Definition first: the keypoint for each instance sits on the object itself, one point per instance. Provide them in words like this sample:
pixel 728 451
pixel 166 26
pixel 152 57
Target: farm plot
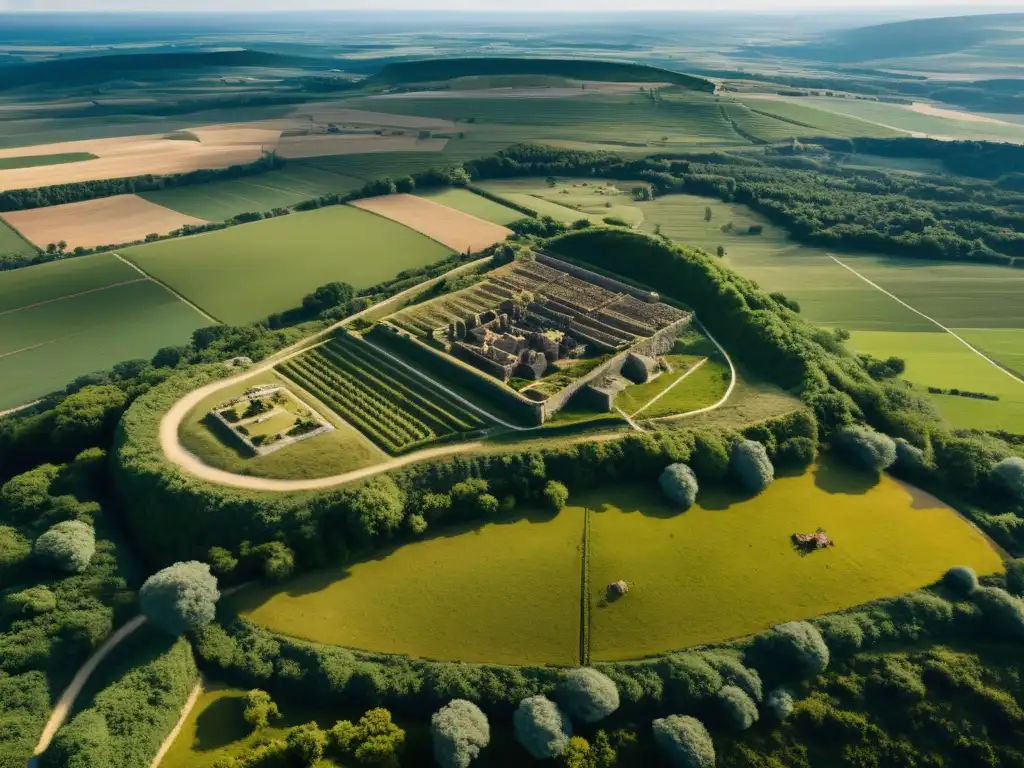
pixel 34 161
pixel 1005 346
pixel 13 244
pixel 459 231
pixel 570 199
pixel 341 144
pixel 396 410
pixel 106 221
pixel 728 565
pixel 245 273
pixel 507 592
pixel 816 121
pixel 45 345
pixel 473 204
pixel 222 200
pixel 369 167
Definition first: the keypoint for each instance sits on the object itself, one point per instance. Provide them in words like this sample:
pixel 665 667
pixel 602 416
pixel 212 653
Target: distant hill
pixel 95 69
pixel 920 37
pixel 438 70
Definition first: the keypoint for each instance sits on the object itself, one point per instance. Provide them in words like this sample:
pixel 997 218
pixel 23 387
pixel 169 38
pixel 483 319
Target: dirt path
pixel 930 319
pixel 62 708
pixel 725 397
pixel 9 411
pixel 186 710
pixel 670 387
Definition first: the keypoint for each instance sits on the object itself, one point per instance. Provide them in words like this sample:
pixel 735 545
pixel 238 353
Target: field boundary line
pixel 728 392
pixel 186 710
pixel 952 333
pixel 629 420
pixel 17 408
pixel 585 599
pixel 166 287
pixel 670 387
pixel 73 295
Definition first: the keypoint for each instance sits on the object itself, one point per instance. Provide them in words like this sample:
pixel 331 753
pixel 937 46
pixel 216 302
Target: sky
pixel 519 6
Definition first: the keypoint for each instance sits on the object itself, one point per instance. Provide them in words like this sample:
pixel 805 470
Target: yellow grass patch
pixel 106 221
pixel 459 231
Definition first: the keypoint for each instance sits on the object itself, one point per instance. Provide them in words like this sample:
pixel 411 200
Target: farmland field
pixel 245 273
pixel 1005 346
pixel 395 409
pixel 34 161
pixel 368 167
pixel 45 346
pixel 221 200
pixel 341 450
pixel 474 205
pixel 11 243
pixel 727 568
pixel 459 231
pixel 817 121
pixel 506 592
pixel 570 199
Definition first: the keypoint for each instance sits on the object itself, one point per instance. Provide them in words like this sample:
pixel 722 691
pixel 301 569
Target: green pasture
pixel 215 729
pixel 12 243
pixel 53 280
pixel 245 273
pixel 815 122
pixel 1005 346
pixel 341 450
pixel 44 347
pixel 474 205
pixel 35 161
pixel 570 199
pixel 222 200
pixel 727 568
pixel 939 360
pixel 700 388
pixel 372 165
pixel 506 592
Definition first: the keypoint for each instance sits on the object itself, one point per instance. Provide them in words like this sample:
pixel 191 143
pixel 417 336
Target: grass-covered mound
pixel 432 70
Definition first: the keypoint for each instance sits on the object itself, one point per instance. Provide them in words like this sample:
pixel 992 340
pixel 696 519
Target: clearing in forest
pixel 92 223
pixel 459 231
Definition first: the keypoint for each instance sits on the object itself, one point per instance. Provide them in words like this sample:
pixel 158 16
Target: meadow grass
pixel 45 282
pixel 45 347
pixel 341 450
pixel 12 243
pixel 727 568
pixel 939 360
pixel 222 200
pixel 505 592
pixel 35 161
pixel 474 205
pixel 245 273
pixel 1005 346
pixel 700 389
pixel 810 121
pixel 570 199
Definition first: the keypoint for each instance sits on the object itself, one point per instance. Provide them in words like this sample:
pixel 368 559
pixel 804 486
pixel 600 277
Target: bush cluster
pixel 181 597
pixel 541 728
pixel 750 465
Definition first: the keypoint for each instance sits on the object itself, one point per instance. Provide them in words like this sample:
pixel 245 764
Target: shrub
pixel 684 741
pixel 68 546
pixel 689 680
pixel 587 695
pixel 259 709
pixel 751 466
pixel 734 673
pixel 222 562
pixel 305 744
pixel 1009 475
pixel 961 580
pixel 798 646
pixel 487 504
pixel 459 730
pixel 1003 611
pixel 181 597
pixel 29 602
pixel 541 728
pixel 375 510
pixel 866 448
pixel 277 561
pixel 910 460
pixel 796 453
pixel 710 456
pixel 14 547
pixel 1015 576
pixel 464 494
pixel 779 704
pixel 738 709
pixel 679 484
pixel 556 495
pixel 374 739
pixel 842 634
pixel 417 524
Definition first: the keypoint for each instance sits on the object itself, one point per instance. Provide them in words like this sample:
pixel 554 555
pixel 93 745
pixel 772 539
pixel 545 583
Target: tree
pixel 720 251
pixel 708 214
pixel 738 709
pixel 14 548
pixel 276 559
pixel 87 417
pixel 28 602
pixel 684 741
pixel 305 744
pixel 541 727
pixel 796 453
pixel 1003 611
pixel 459 730
pixel 779 704
pixel 169 357
pixel 750 465
pixel 1009 475
pixel 487 504
pixel 679 484
pixel 797 646
pixel 577 754
pixel 551 181
pixel 376 509
pixel 181 597
pixel 328 296
pixel 222 562
pixel 260 709
pixel 82 743
pixel 961 580
pixel 67 546
pixel 587 695
pixel 374 740
pixel 556 495
pixel 866 448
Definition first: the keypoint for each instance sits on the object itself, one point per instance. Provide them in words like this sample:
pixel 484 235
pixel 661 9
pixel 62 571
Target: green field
pixel 726 568
pixel 816 122
pixel 221 200
pixel 44 347
pixel 13 244
pixel 342 450
pixel 34 161
pixel 1004 346
pixel 704 387
pixel 474 205
pixel 373 165
pixel 506 592
pixel 245 273
pixel 570 199
pixel 392 407
pixel 53 280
